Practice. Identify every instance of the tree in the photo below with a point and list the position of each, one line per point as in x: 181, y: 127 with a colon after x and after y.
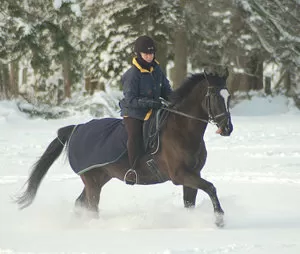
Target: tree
x: 47, y: 36
x: 180, y: 45
x: 276, y: 26
x: 8, y: 69
x: 118, y: 24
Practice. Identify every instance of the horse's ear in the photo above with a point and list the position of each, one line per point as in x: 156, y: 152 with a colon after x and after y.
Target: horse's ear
x: 223, y: 72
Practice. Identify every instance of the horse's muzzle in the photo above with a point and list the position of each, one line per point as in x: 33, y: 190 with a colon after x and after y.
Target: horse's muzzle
x: 226, y: 127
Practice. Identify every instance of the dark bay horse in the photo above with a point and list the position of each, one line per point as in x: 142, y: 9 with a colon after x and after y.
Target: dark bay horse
x: 180, y: 156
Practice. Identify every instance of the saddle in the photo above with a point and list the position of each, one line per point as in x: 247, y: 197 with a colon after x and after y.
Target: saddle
x: 151, y: 130
x: 151, y: 137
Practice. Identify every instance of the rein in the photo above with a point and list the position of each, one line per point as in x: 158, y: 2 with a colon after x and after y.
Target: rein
x: 166, y: 108
x: 186, y: 115
x: 193, y: 117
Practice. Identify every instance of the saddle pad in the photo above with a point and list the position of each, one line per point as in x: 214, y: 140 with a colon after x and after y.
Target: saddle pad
x: 97, y: 143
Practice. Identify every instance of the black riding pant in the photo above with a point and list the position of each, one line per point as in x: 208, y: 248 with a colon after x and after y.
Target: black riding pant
x: 134, y: 128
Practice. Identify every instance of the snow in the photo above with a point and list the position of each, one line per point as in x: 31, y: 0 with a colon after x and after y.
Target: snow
x: 271, y: 106
x: 57, y: 4
x: 256, y: 172
x: 74, y: 7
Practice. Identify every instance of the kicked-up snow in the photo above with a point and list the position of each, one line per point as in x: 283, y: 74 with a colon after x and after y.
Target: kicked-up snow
x: 256, y: 172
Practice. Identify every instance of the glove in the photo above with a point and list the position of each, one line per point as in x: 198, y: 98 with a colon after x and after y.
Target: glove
x: 148, y: 103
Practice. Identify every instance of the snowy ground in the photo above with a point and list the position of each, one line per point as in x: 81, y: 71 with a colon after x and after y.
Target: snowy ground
x: 256, y: 172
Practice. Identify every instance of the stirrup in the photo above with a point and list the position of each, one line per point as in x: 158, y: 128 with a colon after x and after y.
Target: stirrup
x: 126, y: 174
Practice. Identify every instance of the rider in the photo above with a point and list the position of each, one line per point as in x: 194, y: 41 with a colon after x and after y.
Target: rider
x: 143, y: 84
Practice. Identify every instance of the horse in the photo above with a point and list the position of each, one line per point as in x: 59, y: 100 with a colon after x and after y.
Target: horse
x: 179, y: 156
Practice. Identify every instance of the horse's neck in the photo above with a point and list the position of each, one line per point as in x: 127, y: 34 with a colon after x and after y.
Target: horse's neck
x: 191, y: 129
x: 192, y: 105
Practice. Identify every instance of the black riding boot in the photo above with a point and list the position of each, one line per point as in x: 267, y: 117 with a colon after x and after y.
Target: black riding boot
x: 134, y: 128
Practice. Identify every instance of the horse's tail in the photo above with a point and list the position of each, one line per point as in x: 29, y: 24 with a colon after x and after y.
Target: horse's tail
x: 40, y: 168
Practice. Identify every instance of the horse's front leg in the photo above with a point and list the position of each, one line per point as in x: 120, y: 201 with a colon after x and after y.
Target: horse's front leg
x: 194, y: 181
x: 190, y: 194
x: 189, y: 197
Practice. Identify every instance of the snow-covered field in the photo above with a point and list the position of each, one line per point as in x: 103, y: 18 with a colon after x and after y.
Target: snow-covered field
x: 256, y: 172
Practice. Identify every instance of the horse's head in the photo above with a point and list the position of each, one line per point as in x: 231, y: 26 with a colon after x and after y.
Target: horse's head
x: 216, y: 104
x: 208, y: 91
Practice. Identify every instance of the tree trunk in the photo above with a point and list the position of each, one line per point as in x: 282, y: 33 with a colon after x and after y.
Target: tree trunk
x: 91, y: 85
x: 288, y: 84
x: 87, y: 83
x: 180, y: 68
x: 3, y: 81
x: 24, y: 75
x: 13, y: 79
x: 60, y: 92
x: 258, y: 71
x: 268, y: 85
x: 162, y: 56
x: 94, y: 84
x: 282, y: 75
x: 251, y: 79
x: 67, y: 76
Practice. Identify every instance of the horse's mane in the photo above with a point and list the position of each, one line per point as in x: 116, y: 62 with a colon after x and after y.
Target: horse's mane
x: 186, y: 87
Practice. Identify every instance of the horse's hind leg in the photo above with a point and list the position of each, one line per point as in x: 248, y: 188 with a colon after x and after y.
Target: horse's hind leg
x: 81, y: 202
x: 94, y: 181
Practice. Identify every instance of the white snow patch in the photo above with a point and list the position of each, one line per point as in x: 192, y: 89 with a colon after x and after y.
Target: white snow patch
x: 255, y: 170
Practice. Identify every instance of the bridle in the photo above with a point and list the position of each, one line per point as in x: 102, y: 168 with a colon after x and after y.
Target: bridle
x: 210, y: 90
x: 213, y: 119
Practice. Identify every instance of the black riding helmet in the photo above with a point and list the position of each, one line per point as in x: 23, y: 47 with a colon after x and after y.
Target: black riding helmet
x: 144, y: 44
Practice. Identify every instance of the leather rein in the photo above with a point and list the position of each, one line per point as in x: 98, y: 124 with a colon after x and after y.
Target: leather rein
x: 184, y: 114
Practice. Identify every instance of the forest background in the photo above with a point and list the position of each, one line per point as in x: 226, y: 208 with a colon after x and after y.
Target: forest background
x: 54, y: 50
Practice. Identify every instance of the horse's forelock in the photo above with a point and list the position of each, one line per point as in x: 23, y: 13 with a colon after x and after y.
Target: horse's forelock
x: 217, y: 81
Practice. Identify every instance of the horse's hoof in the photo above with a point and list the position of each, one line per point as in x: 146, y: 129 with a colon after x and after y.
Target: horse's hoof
x: 189, y: 205
x: 92, y: 215
x: 219, y: 220
x: 77, y: 213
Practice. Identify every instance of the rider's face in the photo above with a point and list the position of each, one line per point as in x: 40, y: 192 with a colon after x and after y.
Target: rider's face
x: 147, y: 57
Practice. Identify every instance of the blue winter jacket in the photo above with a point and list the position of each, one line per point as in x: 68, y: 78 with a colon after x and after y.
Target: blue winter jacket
x: 140, y: 83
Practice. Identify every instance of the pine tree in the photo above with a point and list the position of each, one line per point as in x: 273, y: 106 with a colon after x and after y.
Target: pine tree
x: 276, y: 26
x: 48, y: 37
x: 114, y: 26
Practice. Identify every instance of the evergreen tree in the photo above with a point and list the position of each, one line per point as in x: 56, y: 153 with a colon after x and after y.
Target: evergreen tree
x: 114, y: 26
x: 48, y: 37
x: 276, y: 25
